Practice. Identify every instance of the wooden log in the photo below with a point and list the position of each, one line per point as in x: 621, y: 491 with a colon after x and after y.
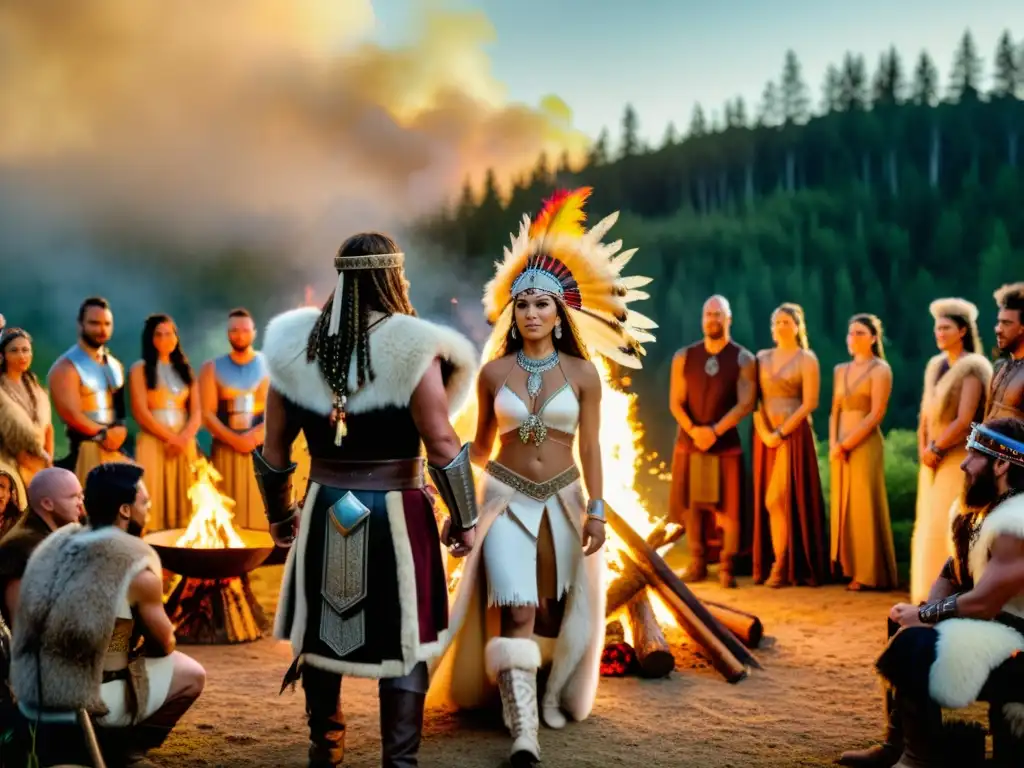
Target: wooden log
x: 745, y: 626
x: 727, y: 654
x: 626, y: 586
x: 652, y: 651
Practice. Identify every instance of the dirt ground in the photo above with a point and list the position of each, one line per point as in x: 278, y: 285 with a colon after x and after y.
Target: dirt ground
x: 816, y: 696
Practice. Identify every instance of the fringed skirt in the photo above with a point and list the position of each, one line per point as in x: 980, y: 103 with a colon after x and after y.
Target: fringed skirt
x: 534, y: 544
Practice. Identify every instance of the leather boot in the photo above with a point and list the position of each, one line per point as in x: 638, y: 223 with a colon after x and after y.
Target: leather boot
x: 726, y: 577
x: 401, y: 727
x: 886, y: 754
x: 695, y: 572
x: 513, y: 663
x: 325, y: 717
x: 924, y: 738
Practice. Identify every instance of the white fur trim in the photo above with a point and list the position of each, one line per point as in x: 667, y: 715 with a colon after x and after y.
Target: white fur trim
x: 936, y: 403
x: 413, y: 651
x: 511, y: 653
x: 1014, y: 714
x: 1006, y: 519
x: 966, y: 652
x: 401, y: 348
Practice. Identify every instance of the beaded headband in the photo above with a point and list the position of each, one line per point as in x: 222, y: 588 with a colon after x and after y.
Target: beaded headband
x: 991, y: 443
x: 371, y: 261
x: 348, y: 263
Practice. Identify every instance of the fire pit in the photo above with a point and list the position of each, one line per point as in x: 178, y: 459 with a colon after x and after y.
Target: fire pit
x: 211, y: 600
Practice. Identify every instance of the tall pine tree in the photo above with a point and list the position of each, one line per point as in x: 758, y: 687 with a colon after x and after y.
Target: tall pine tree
x: 793, y: 91
x: 832, y: 90
x: 770, y: 111
x: 853, y: 90
x: 888, y: 86
x: 1007, y: 78
x: 965, y: 80
x: 630, y: 132
x: 598, y: 154
x: 925, y: 90
x: 698, y: 122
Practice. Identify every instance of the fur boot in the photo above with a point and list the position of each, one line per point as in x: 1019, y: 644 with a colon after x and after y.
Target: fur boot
x: 513, y: 663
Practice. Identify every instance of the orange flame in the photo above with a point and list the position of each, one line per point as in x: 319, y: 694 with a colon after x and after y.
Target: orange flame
x: 210, y: 525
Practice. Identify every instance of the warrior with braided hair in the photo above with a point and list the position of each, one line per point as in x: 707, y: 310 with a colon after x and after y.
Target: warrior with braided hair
x: 369, y: 385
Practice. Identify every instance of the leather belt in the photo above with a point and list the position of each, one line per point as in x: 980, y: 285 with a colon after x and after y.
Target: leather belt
x: 393, y: 475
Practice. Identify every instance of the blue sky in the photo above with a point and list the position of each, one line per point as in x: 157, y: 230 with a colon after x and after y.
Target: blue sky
x: 665, y: 56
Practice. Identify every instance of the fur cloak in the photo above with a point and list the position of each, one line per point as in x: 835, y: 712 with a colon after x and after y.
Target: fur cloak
x: 19, y: 433
x: 941, y: 398
x: 68, y: 605
x: 402, y: 349
x: 462, y: 678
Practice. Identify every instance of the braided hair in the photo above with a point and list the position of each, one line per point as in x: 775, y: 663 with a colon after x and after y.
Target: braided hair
x: 28, y: 379
x: 366, y: 290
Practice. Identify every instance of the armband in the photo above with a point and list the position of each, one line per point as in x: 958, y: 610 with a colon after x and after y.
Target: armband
x: 454, y: 484
x: 595, y: 510
x: 275, y: 487
x: 939, y: 610
x: 100, y: 436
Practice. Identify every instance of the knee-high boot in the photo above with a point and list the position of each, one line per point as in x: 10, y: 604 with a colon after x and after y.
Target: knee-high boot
x: 401, y: 717
x: 882, y: 755
x: 924, y: 738
x: 513, y: 663
x: 325, y: 717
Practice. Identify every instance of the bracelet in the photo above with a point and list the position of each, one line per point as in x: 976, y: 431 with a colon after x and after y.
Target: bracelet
x: 940, y: 452
x: 100, y: 436
x: 778, y: 433
x: 595, y: 509
x: 937, y: 611
x: 601, y: 520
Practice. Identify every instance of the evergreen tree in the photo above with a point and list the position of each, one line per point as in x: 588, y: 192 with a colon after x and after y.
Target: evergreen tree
x: 1007, y: 77
x: 770, y: 111
x: 630, y: 132
x: 598, y: 154
x: 671, y: 136
x: 925, y: 90
x: 739, y: 113
x: 466, y: 203
x: 888, y: 85
x: 564, y: 163
x: 965, y: 81
x: 541, y: 175
x: 698, y: 123
x: 793, y: 91
x: 853, y: 90
x: 832, y: 90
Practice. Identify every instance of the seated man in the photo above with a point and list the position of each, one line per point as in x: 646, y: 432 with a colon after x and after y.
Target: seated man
x: 965, y: 644
x: 95, y: 592
x: 54, y: 500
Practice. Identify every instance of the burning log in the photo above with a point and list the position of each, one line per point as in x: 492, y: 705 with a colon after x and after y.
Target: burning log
x: 216, y: 611
x: 746, y: 626
x: 652, y: 651
x: 727, y: 654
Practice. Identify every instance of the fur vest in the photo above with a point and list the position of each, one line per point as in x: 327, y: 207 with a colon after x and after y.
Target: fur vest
x: 17, y: 430
x: 941, y: 398
x: 401, y: 348
x: 70, y: 595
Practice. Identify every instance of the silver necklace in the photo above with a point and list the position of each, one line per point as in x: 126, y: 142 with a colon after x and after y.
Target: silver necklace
x: 536, y: 370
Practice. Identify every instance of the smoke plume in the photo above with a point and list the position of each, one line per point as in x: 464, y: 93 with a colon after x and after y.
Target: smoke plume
x: 200, y: 125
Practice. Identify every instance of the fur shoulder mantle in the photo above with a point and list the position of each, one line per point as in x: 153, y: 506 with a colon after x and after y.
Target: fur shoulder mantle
x: 401, y: 348
x: 1006, y: 519
x: 939, y: 396
x: 17, y: 431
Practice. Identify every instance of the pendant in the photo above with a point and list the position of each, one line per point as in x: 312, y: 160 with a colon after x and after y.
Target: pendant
x: 534, y: 429
x: 338, y: 419
x: 533, y: 384
x: 711, y: 367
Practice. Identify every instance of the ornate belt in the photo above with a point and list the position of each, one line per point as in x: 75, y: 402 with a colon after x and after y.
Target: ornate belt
x: 527, y: 487
x: 393, y: 475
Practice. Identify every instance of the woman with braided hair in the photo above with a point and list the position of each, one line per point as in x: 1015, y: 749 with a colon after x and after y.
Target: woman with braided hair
x: 364, y: 593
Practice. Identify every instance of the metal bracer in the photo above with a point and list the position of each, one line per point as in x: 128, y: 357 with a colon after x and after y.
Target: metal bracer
x: 275, y: 488
x: 454, y: 484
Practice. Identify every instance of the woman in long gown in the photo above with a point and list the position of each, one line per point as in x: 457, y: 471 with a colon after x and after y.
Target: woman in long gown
x: 532, y: 590
x: 956, y: 384
x: 165, y: 403
x: 26, y: 427
x: 862, y: 546
x: 789, y: 515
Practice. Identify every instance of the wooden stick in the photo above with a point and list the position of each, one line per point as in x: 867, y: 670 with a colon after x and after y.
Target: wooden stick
x: 745, y: 626
x: 727, y: 654
x: 91, y: 743
x: 652, y: 651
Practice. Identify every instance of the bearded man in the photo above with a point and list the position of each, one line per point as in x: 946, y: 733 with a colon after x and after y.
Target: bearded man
x: 713, y: 389
x: 87, y: 388
x: 964, y: 644
x: 1006, y: 396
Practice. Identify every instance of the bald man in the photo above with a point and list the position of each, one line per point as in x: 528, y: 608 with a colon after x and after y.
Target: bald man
x: 714, y: 387
x: 54, y: 500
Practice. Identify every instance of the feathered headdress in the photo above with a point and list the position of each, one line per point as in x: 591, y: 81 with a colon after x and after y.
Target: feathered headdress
x: 555, y: 254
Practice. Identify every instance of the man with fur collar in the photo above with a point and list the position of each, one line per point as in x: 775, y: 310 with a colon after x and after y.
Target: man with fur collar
x: 1007, y: 395
x: 364, y: 591
x: 964, y: 644
x: 100, y: 585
